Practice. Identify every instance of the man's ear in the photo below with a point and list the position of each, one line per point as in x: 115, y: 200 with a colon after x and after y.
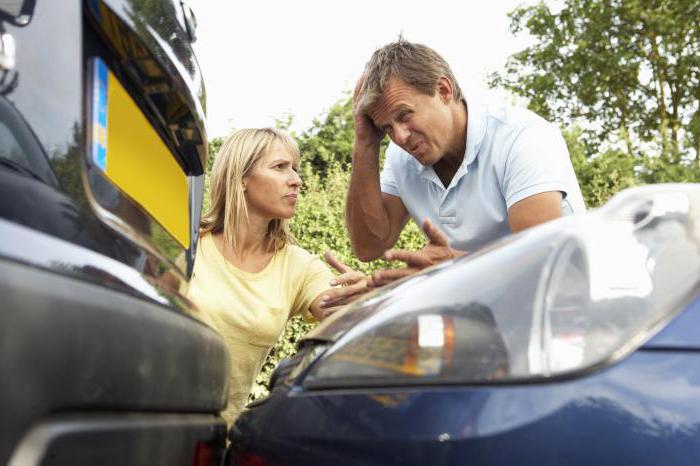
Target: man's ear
x: 444, y: 89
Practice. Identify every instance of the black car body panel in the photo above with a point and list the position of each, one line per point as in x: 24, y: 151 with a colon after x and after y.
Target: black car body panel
x: 102, y: 360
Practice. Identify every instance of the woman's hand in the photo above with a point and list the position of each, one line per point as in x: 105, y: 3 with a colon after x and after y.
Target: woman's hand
x: 350, y: 285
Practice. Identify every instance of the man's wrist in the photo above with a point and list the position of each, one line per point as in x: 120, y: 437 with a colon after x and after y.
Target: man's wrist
x: 364, y: 151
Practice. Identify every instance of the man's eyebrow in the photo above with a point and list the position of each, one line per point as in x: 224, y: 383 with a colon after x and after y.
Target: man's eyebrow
x: 394, y: 114
x: 400, y: 109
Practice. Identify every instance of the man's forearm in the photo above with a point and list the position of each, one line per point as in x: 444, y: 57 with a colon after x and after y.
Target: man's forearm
x: 365, y: 215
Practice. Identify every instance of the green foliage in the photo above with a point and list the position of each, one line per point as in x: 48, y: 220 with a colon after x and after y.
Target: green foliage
x: 629, y: 69
x: 214, y: 146
x: 603, y: 175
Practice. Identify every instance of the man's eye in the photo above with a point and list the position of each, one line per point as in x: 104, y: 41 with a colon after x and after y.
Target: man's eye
x: 404, y: 117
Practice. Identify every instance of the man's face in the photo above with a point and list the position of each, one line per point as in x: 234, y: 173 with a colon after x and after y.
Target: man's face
x: 419, y: 124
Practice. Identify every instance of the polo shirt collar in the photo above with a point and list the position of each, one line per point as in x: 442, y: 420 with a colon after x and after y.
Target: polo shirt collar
x: 476, y: 129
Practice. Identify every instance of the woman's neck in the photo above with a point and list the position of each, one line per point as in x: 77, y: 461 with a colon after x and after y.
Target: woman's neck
x: 251, y: 236
x: 252, y: 253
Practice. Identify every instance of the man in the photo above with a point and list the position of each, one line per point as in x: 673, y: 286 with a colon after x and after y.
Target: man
x: 468, y: 172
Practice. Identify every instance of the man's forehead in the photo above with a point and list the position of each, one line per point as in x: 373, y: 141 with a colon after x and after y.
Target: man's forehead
x: 396, y: 96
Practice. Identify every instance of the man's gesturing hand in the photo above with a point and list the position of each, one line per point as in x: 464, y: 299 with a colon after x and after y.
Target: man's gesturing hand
x: 437, y: 250
x: 352, y: 283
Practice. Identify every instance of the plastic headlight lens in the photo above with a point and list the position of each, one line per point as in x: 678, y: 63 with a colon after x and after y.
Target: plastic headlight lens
x: 565, y: 297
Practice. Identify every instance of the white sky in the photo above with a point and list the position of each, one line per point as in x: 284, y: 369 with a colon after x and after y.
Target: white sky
x: 262, y: 58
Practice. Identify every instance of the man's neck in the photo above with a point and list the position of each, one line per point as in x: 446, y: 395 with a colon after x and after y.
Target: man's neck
x: 447, y: 166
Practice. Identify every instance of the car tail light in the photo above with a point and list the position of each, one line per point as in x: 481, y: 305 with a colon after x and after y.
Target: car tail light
x: 251, y: 459
x: 567, y: 296
x: 205, y: 454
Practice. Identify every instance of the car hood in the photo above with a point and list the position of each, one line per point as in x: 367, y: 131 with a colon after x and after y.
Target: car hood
x: 621, y: 241
x: 408, y: 292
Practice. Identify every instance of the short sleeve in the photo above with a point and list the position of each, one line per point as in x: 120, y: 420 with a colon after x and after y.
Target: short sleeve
x: 315, y: 281
x: 537, y: 163
x: 387, y: 180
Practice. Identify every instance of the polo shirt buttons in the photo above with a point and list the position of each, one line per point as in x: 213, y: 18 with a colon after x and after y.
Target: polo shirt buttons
x: 448, y: 211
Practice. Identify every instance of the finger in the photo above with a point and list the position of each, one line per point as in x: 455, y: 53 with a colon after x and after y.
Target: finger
x: 334, y: 262
x: 434, y: 234
x: 358, y: 87
x: 330, y: 311
x: 348, y: 278
x: 411, y: 258
x: 384, y: 277
x: 340, y: 296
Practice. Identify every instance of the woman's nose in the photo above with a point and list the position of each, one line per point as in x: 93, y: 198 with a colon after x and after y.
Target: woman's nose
x: 295, y: 179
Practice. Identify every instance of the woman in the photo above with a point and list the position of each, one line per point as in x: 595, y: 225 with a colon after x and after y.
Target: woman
x: 248, y: 278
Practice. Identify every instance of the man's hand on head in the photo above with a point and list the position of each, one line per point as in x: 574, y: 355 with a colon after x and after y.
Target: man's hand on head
x: 366, y: 133
x: 437, y: 250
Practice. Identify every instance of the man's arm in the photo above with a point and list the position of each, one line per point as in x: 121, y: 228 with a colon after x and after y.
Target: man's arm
x: 374, y: 219
x: 533, y: 210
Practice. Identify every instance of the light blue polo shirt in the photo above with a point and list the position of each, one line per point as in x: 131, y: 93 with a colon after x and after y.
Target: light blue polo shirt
x: 511, y: 153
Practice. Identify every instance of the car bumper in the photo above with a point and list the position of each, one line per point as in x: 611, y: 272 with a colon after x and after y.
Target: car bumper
x: 641, y: 411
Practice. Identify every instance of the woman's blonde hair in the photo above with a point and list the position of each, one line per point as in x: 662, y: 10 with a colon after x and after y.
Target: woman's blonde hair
x: 233, y: 162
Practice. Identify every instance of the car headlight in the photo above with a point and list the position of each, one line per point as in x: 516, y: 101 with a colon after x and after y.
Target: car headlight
x: 568, y: 296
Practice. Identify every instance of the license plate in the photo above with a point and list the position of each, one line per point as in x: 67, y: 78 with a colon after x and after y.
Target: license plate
x: 131, y: 154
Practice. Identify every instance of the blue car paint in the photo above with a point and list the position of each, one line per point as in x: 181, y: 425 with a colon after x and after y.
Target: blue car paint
x: 683, y: 332
x: 643, y: 410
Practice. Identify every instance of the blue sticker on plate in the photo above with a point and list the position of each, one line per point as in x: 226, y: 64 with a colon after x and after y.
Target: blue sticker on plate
x: 100, y: 83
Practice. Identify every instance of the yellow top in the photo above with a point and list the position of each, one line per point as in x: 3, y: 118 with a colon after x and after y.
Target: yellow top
x: 250, y: 310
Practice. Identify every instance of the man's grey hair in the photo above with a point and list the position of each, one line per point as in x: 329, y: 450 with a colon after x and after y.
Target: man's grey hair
x: 415, y: 64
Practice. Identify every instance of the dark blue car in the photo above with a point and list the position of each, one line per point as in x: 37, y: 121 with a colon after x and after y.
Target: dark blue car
x: 576, y: 342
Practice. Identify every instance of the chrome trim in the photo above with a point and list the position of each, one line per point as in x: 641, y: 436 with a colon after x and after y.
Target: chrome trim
x: 8, y: 51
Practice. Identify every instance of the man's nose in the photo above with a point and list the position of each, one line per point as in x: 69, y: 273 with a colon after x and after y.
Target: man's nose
x: 401, y: 134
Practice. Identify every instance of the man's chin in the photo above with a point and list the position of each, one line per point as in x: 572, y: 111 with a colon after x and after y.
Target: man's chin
x: 425, y: 159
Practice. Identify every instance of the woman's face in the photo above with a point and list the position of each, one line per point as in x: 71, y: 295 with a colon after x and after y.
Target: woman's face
x: 272, y: 186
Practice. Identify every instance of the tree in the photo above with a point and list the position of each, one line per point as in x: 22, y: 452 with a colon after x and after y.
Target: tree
x: 603, y: 175
x: 629, y: 70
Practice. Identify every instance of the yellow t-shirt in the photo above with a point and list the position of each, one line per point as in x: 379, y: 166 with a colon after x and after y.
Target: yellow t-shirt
x: 250, y: 310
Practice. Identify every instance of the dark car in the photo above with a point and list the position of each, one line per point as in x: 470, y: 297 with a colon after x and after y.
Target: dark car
x: 102, y: 153
x: 576, y: 342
